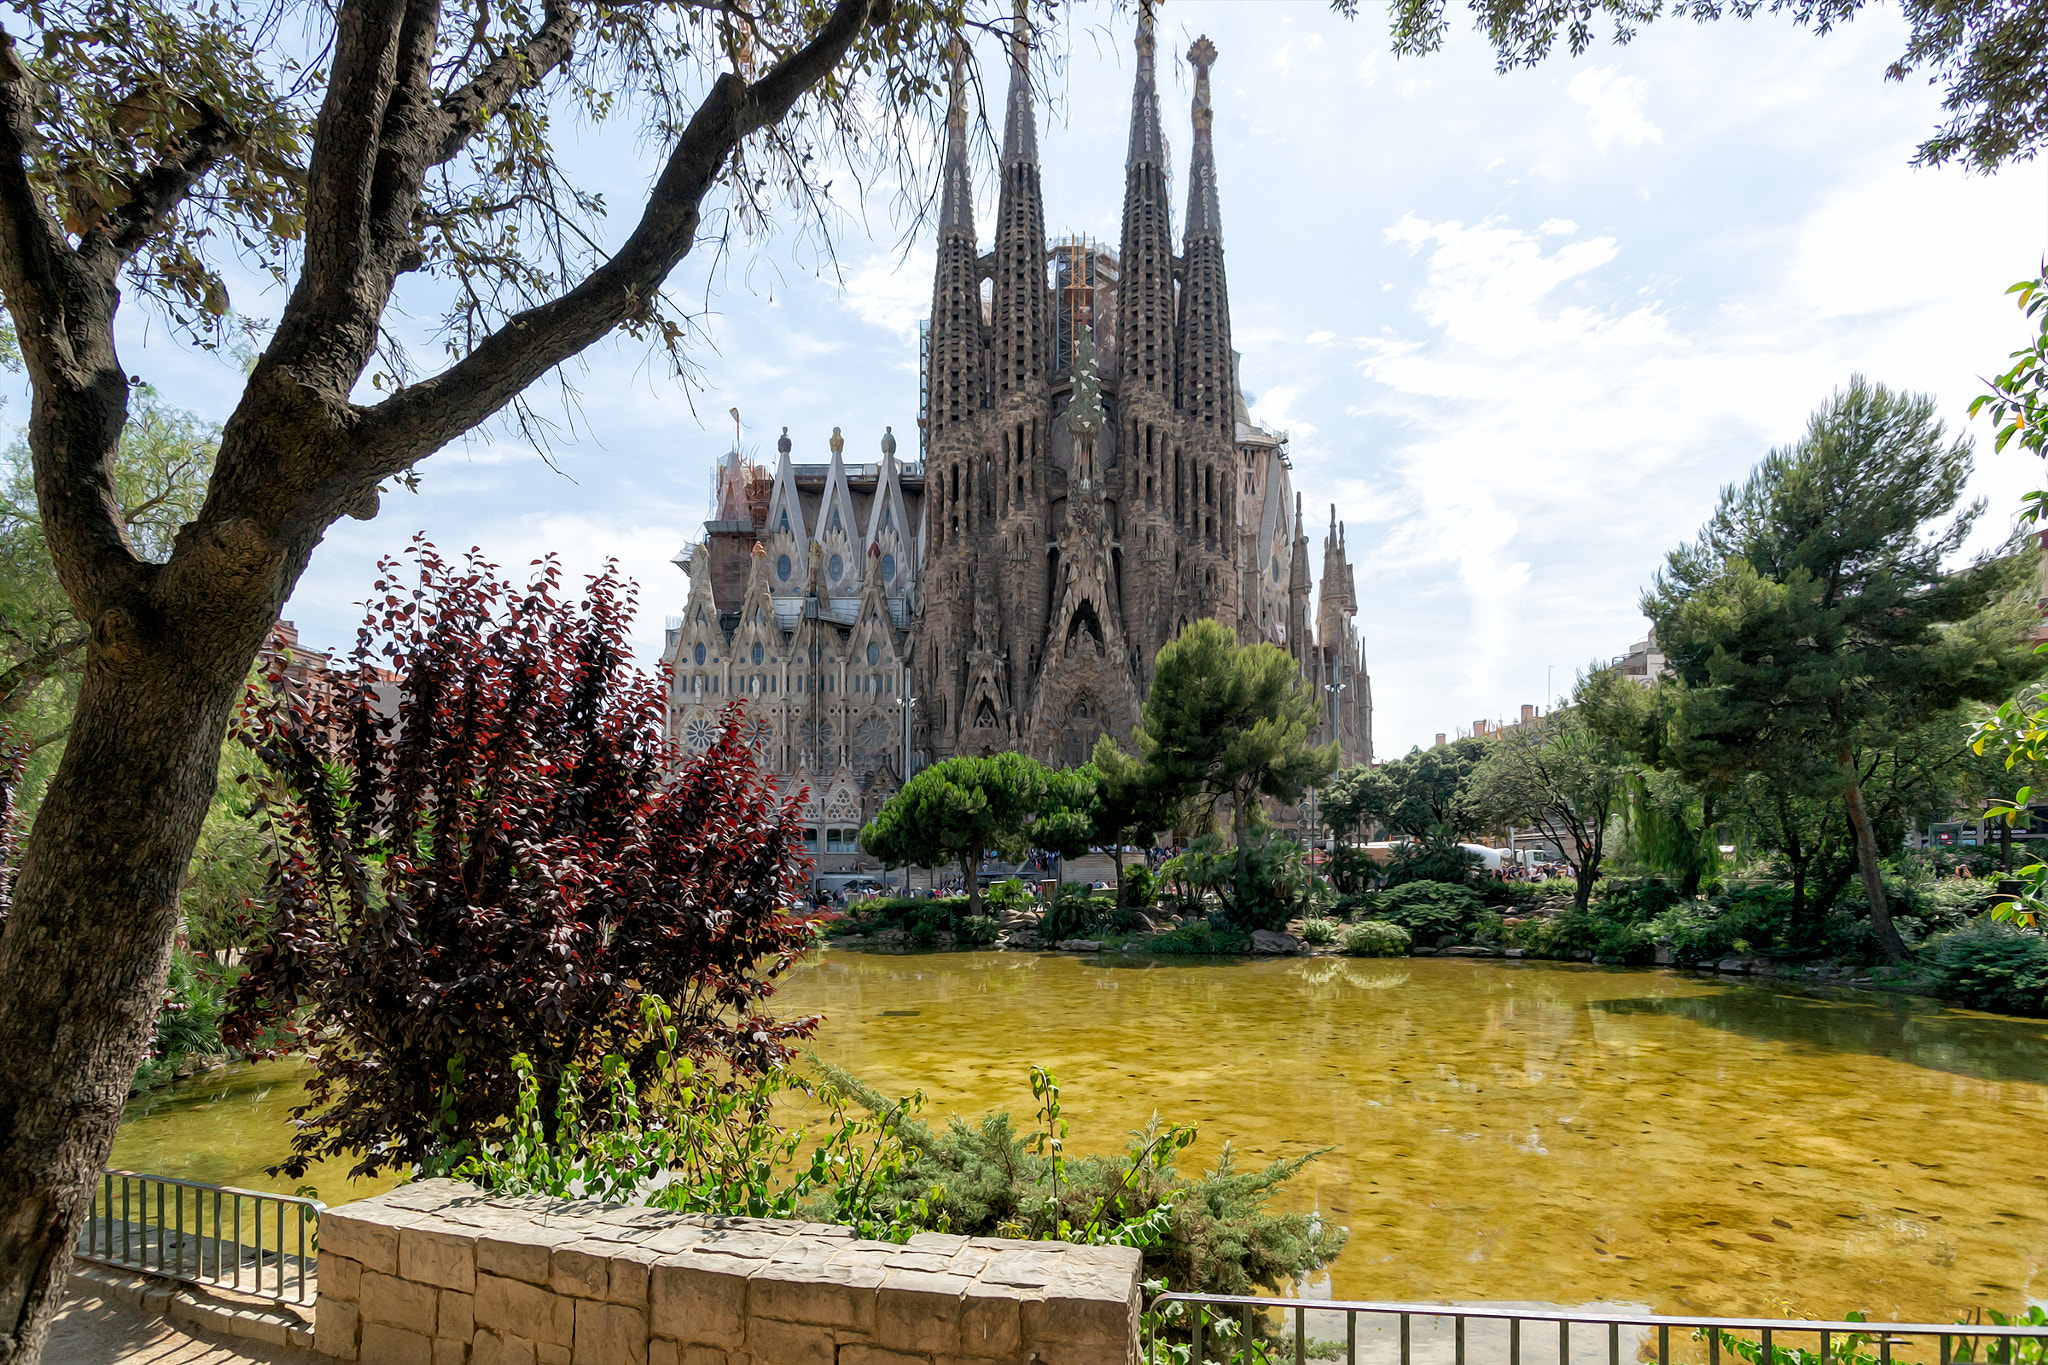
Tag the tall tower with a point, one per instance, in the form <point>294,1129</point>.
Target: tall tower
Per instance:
<point>1016,452</point>
<point>1205,378</point>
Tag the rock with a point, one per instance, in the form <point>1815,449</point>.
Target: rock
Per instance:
<point>1732,964</point>
<point>1664,956</point>
<point>1518,952</point>
<point>1144,923</point>
<point>1467,950</point>
<point>1025,939</point>
<point>1582,957</point>
<point>1080,945</point>
<point>1422,952</point>
<point>897,936</point>
<point>1267,941</point>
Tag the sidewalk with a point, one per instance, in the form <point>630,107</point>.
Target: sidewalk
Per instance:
<point>98,1329</point>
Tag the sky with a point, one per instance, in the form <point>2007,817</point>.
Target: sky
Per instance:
<point>1520,329</point>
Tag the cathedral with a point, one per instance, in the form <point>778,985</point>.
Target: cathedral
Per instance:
<point>1090,481</point>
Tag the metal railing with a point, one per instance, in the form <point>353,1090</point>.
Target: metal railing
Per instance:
<point>204,1234</point>
<point>1362,1333</point>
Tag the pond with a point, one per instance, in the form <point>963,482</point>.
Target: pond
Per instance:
<point>1519,1132</point>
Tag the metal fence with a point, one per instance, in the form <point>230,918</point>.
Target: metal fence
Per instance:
<point>1192,1328</point>
<point>245,1240</point>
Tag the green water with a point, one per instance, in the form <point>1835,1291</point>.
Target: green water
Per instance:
<point>1498,1131</point>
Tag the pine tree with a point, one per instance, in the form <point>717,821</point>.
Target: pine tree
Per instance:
<point>1817,613</point>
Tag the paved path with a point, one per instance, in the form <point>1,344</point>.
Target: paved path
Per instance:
<point>96,1330</point>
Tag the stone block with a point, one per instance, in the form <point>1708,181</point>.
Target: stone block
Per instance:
<point>457,1319</point>
<point>336,1328</point>
<point>497,1348</point>
<point>446,1260</point>
<point>449,1352</point>
<point>518,1309</point>
<point>703,1355</point>
<point>1083,1353</point>
<point>628,1284</point>
<point>610,1334</point>
<point>697,1306</point>
<point>835,1294</point>
<point>520,1251</point>
<point>1021,1269</point>
<point>340,1277</point>
<point>662,1351</point>
<point>398,1303</point>
<point>387,1345</point>
<point>579,1273</point>
<point>1075,1321</point>
<point>790,1343</point>
<point>919,1312</point>
<point>855,1353</point>
<point>550,1353</point>
<point>372,1245</point>
<point>991,1323</point>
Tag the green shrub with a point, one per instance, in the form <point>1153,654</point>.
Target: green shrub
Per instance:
<point>1319,931</point>
<point>1992,966</point>
<point>1433,860</point>
<point>976,929</point>
<point>1200,938</point>
<point>1430,909</point>
<point>188,1021</point>
<point>1362,905</point>
<point>1139,888</point>
<point>1007,897</point>
<point>1606,939</point>
<point>1696,930</point>
<point>1376,938</point>
<point>1632,900</point>
<point>1511,896</point>
<point>1072,912</point>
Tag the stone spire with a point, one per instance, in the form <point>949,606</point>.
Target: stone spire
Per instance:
<point>1022,327</point>
<point>956,191</point>
<point>957,362</point>
<point>1299,642</point>
<point>1145,305</point>
<point>1339,601</point>
<point>1207,383</point>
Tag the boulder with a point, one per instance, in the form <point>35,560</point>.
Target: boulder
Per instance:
<point>1267,941</point>
<point>1422,952</point>
<point>1080,945</point>
<point>1026,939</point>
<point>1467,950</point>
<point>1732,964</point>
<point>1664,955</point>
<point>1518,952</point>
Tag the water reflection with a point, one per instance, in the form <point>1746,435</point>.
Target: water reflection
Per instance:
<point>1903,1029</point>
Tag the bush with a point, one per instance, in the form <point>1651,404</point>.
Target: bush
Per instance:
<point>1433,860</point>
<point>1606,939</point>
<point>1992,966</point>
<point>1632,900</point>
<point>1319,931</point>
<point>1074,911</point>
<point>1430,909</point>
<point>188,1022</point>
<point>1200,939</point>
<point>1353,908</point>
<point>976,929</point>
<point>1139,889</point>
<point>1376,938</point>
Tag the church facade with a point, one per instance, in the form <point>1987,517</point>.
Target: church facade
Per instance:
<point>1091,481</point>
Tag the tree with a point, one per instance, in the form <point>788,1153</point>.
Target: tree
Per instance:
<point>1988,55</point>
<point>957,810</point>
<point>1670,823</point>
<point>1130,805</point>
<point>1817,616</point>
<point>396,155</point>
<point>1231,721</point>
<point>505,865</point>
<point>1562,777</point>
<point>1422,794</point>
<point>159,479</point>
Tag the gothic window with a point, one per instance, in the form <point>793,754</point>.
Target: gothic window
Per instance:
<point>783,525</point>
<point>888,568</point>
<point>698,735</point>
<point>782,567</point>
<point>888,518</point>
<point>757,654</point>
<point>838,565</point>
<point>700,656</point>
<point>874,653</point>
<point>835,518</point>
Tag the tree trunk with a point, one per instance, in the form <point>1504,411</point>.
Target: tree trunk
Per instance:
<point>86,951</point>
<point>970,866</point>
<point>1239,824</point>
<point>1866,861</point>
<point>1116,858</point>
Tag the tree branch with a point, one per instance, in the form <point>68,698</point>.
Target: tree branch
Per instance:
<point>467,110</point>
<point>109,244</point>
<point>422,417</point>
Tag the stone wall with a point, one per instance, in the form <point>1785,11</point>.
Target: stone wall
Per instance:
<point>440,1273</point>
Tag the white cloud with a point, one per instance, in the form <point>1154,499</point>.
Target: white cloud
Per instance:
<point>1614,107</point>
<point>892,291</point>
